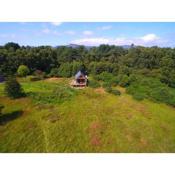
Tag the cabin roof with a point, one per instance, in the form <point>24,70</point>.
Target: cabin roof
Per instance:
<point>78,74</point>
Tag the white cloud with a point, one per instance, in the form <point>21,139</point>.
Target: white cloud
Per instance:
<point>105,27</point>
<point>70,32</point>
<point>87,32</point>
<point>102,40</point>
<point>91,41</point>
<point>150,38</point>
<point>147,40</point>
<point>56,23</point>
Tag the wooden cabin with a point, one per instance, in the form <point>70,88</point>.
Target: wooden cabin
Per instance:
<point>80,80</point>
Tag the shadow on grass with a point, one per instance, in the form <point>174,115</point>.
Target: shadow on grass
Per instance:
<point>5,118</point>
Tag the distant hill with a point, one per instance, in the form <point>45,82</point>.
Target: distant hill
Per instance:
<point>89,47</point>
<point>77,46</point>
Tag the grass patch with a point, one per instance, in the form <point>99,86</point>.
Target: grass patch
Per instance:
<point>89,122</point>
<point>58,95</point>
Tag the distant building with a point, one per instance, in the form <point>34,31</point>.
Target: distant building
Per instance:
<point>80,80</point>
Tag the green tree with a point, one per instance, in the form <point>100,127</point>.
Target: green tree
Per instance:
<point>65,70</point>
<point>23,71</point>
<point>13,89</point>
<point>12,46</point>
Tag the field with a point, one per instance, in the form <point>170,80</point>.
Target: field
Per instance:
<point>88,120</point>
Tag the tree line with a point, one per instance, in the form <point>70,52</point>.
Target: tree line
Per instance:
<point>65,61</point>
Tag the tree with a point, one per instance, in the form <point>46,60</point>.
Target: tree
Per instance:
<point>23,71</point>
<point>13,89</point>
<point>65,70</point>
<point>12,45</point>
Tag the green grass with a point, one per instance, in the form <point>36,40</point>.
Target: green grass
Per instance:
<point>89,121</point>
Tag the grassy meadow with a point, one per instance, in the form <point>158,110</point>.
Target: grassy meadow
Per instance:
<point>86,120</point>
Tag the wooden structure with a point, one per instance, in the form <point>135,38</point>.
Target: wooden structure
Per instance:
<point>80,80</point>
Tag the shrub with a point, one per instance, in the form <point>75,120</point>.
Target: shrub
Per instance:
<point>133,78</point>
<point>33,78</point>
<point>63,92</point>
<point>108,89</point>
<point>23,71</point>
<point>40,74</point>
<point>58,95</point>
<point>138,96</point>
<point>93,84</point>
<point>106,84</point>
<point>153,89</point>
<point>163,94</point>
<point>54,72</point>
<point>65,70</point>
<point>104,76</point>
<point>115,92</point>
<point>124,80</point>
<point>112,91</point>
<point>13,89</point>
<point>107,78</point>
<point>1,107</point>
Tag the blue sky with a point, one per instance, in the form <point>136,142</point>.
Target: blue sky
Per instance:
<point>94,33</point>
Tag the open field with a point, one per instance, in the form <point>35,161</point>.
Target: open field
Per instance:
<point>90,120</point>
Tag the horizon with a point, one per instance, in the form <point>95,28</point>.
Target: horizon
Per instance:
<point>92,34</point>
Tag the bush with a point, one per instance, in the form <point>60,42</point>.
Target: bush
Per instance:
<point>153,89</point>
<point>106,84</point>
<point>104,76</point>
<point>138,96</point>
<point>65,70</point>
<point>162,94</point>
<point>124,80</point>
<point>108,89</point>
<point>33,78</point>
<point>13,89</point>
<point>115,92</point>
<point>112,91</point>
<point>58,95</point>
<point>54,72</point>
<point>1,107</point>
<point>23,71</point>
<point>107,77</point>
<point>40,74</point>
<point>93,84</point>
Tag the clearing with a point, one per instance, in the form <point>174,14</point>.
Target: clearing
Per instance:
<point>90,120</point>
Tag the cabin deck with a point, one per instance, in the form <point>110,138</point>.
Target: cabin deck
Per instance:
<point>75,84</point>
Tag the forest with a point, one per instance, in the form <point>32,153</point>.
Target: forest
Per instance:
<point>146,72</point>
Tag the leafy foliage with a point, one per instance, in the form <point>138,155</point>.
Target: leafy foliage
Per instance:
<point>13,89</point>
<point>153,89</point>
<point>65,70</point>
<point>123,80</point>
<point>93,83</point>
<point>108,79</point>
<point>23,71</point>
<point>33,78</point>
<point>57,95</point>
<point>112,91</point>
<point>111,65</point>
